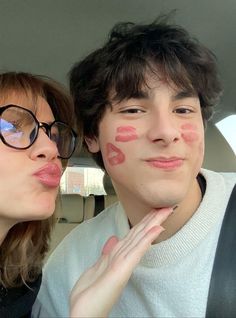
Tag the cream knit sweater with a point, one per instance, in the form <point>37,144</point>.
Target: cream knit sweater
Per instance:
<point>172,279</point>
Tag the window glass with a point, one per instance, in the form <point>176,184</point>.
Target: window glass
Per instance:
<point>227,127</point>
<point>84,181</point>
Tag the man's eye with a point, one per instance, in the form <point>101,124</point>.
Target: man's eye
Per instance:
<point>132,111</point>
<point>183,110</point>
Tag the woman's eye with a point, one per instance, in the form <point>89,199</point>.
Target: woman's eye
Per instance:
<point>33,134</point>
<point>55,137</point>
<point>13,126</point>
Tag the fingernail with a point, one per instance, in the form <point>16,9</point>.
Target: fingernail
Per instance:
<point>174,208</point>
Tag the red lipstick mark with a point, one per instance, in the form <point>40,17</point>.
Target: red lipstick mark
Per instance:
<point>191,135</point>
<point>126,133</point>
<point>115,155</point>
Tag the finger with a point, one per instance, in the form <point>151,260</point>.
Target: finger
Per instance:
<point>159,215</point>
<point>137,250</point>
<point>155,218</point>
<point>133,232</point>
<point>124,263</point>
<point>109,245</point>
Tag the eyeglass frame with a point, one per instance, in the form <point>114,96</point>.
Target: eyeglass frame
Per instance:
<point>47,129</point>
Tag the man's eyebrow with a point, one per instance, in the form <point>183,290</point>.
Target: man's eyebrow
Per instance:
<point>141,94</point>
<point>136,95</point>
<point>145,94</point>
<point>184,94</point>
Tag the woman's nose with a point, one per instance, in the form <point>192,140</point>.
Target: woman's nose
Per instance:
<point>43,148</point>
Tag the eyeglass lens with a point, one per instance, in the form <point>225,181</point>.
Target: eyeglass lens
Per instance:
<point>62,135</point>
<point>20,129</point>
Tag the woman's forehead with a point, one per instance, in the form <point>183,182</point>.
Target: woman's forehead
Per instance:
<point>22,98</point>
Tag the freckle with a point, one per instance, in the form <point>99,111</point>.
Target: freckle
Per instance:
<point>189,126</point>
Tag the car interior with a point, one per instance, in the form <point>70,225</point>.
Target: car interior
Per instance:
<point>48,37</point>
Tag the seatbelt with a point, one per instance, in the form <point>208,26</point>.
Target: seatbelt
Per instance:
<point>222,292</point>
<point>99,204</point>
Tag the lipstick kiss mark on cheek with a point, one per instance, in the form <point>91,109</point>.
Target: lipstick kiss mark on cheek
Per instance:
<point>189,133</point>
<point>114,155</point>
<point>126,133</point>
<point>125,138</point>
<point>190,136</point>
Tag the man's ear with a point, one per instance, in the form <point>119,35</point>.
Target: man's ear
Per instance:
<point>93,145</point>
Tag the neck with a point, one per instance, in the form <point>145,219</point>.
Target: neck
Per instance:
<point>182,213</point>
<point>5,226</point>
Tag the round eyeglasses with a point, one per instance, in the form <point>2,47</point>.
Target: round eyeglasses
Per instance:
<point>19,129</point>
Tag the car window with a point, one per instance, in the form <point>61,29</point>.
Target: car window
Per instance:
<point>83,181</point>
<point>227,127</point>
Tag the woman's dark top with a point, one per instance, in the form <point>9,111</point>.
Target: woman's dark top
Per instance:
<point>18,302</point>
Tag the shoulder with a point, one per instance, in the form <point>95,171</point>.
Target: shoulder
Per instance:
<point>18,301</point>
<point>82,246</point>
<point>79,250</point>
<point>219,180</point>
<point>219,186</point>
<point>106,223</point>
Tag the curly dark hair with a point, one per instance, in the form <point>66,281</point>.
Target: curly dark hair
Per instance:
<point>132,52</point>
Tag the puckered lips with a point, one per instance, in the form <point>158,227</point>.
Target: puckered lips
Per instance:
<point>49,175</point>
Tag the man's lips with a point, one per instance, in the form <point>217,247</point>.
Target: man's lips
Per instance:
<point>165,162</point>
<point>49,175</point>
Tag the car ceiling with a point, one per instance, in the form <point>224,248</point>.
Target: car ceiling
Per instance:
<point>49,36</point>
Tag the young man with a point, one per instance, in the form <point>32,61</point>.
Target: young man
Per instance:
<point>143,100</point>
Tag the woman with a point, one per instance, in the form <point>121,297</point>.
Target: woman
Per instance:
<point>36,139</point>
<point>36,114</point>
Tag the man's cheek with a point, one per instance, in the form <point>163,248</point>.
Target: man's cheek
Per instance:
<point>190,133</point>
<point>190,137</point>
<point>201,147</point>
<point>114,155</point>
<point>126,134</point>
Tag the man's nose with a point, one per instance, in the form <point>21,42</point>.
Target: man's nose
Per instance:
<point>163,128</point>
